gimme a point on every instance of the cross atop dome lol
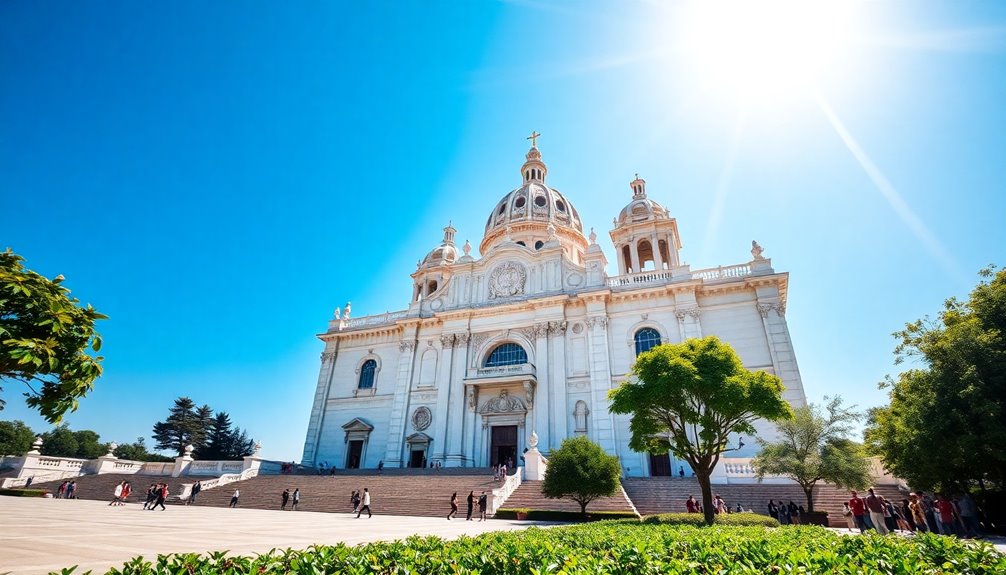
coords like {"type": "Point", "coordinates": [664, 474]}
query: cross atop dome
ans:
{"type": "Point", "coordinates": [534, 138]}
{"type": "Point", "coordinates": [534, 169]}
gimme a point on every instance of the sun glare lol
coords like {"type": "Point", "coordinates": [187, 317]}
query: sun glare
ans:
{"type": "Point", "coordinates": [766, 47]}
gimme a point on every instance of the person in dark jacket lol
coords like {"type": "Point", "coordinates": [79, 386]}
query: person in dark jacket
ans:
{"type": "Point", "coordinates": [471, 504]}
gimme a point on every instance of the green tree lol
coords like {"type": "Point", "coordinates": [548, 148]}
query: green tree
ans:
{"type": "Point", "coordinates": [60, 442]}
{"type": "Point", "coordinates": [185, 425]}
{"type": "Point", "coordinates": [137, 451]}
{"type": "Point", "coordinates": [89, 445]}
{"type": "Point", "coordinates": [945, 425]}
{"type": "Point", "coordinates": [225, 442]}
{"type": "Point", "coordinates": [582, 471]}
{"type": "Point", "coordinates": [814, 446]}
{"type": "Point", "coordinates": [15, 438]}
{"type": "Point", "coordinates": [45, 339]}
{"type": "Point", "coordinates": [690, 398]}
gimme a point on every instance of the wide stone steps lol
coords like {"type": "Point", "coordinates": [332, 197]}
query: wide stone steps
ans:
{"type": "Point", "coordinates": [422, 495]}
{"type": "Point", "coordinates": [102, 487]}
{"type": "Point", "coordinates": [652, 495]}
{"type": "Point", "coordinates": [529, 496]}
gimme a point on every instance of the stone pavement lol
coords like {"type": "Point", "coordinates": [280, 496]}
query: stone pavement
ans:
{"type": "Point", "coordinates": [42, 535]}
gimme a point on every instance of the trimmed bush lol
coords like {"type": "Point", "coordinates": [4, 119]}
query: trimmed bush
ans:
{"type": "Point", "coordinates": [19, 492]}
{"type": "Point", "coordinates": [739, 519]}
{"type": "Point", "coordinates": [623, 547]}
{"type": "Point", "coordinates": [571, 516]}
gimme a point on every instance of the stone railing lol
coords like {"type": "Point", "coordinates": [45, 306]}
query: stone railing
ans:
{"type": "Point", "coordinates": [656, 276]}
{"type": "Point", "coordinates": [723, 272]}
{"type": "Point", "coordinates": [497, 497]}
{"type": "Point", "coordinates": [214, 468]}
{"type": "Point", "coordinates": [369, 320]}
{"type": "Point", "coordinates": [157, 468]}
{"type": "Point", "coordinates": [225, 479]}
{"type": "Point", "coordinates": [36, 478]}
{"type": "Point", "coordinates": [502, 371]}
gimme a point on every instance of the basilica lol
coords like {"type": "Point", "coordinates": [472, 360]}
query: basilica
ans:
{"type": "Point", "coordinates": [531, 336]}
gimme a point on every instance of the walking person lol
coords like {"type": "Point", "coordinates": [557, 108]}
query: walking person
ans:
{"type": "Point", "coordinates": [794, 513]}
{"type": "Point", "coordinates": [875, 505]}
{"type": "Point", "coordinates": [365, 504]}
{"type": "Point", "coordinates": [62, 489]}
{"type": "Point", "coordinates": [162, 495]}
{"type": "Point", "coordinates": [471, 504]}
{"type": "Point", "coordinates": [847, 513]}
{"type": "Point", "coordinates": [858, 507]}
{"type": "Point", "coordinates": [945, 515]}
{"type": "Point", "coordinates": [234, 498]}
{"type": "Point", "coordinates": [355, 500]}
{"type": "Point", "coordinates": [151, 496]}
{"type": "Point", "coordinates": [296, 498]}
{"type": "Point", "coordinates": [918, 512]}
{"type": "Point", "coordinates": [195, 492]}
{"type": "Point", "coordinates": [126, 491]}
{"type": "Point", "coordinates": [116, 494]}
{"type": "Point", "coordinates": [483, 501]}
{"type": "Point", "coordinates": [773, 511]}
{"type": "Point", "coordinates": [71, 490]}
{"type": "Point", "coordinates": [454, 506]}
{"type": "Point", "coordinates": [285, 498]}
{"type": "Point", "coordinates": [690, 505]}
{"type": "Point", "coordinates": [968, 512]}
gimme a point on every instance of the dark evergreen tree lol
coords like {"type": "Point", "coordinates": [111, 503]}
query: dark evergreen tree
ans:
{"type": "Point", "coordinates": [185, 425]}
{"type": "Point", "coordinates": [219, 439]}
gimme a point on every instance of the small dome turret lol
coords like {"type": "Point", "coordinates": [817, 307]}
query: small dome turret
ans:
{"type": "Point", "coordinates": [443, 254]}
{"type": "Point", "coordinates": [641, 208]}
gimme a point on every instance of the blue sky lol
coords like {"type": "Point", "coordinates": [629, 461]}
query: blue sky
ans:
{"type": "Point", "coordinates": [218, 177]}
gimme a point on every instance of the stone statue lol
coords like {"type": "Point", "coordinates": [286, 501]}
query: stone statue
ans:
{"type": "Point", "coordinates": [551, 231]}
{"type": "Point", "coordinates": [467, 248]}
{"type": "Point", "coordinates": [532, 442]}
{"type": "Point", "coordinates": [756, 250]}
{"type": "Point", "coordinates": [593, 236]}
{"type": "Point", "coordinates": [338, 313]}
{"type": "Point", "coordinates": [349, 308]}
{"type": "Point", "coordinates": [509, 232]}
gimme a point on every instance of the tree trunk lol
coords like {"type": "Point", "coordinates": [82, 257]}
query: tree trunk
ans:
{"type": "Point", "coordinates": [809, 492]}
{"type": "Point", "coordinates": [583, 508]}
{"type": "Point", "coordinates": [707, 495]}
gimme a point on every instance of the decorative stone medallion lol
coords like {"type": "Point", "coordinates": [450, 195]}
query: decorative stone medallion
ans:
{"type": "Point", "coordinates": [421, 418]}
{"type": "Point", "coordinates": [507, 280]}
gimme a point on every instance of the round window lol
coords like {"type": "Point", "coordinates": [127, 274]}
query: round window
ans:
{"type": "Point", "coordinates": [540, 201]}
{"type": "Point", "coordinates": [520, 202]}
{"type": "Point", "coordinates": [538, 244]}
{"type": "Point", "coordinates": [560, 206]}
{"type": "Point", "coordinates": [521, 243]}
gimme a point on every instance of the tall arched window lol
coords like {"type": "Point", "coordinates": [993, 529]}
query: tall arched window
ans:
{"type": "Point", "coordinates": [507, 354]}
{"type": "Point", "coordinates": [367, 373]}
{"type": "Point", "coordinates": [646, 339]}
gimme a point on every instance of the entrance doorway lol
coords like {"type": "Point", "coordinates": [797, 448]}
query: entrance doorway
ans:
{"type": "Point", "coordinates": [660, 465]}
{"type": "Point", "coordinates": [503, 447]}
{"type": "Point", "coordinates": [354, 454]}
{"type": "Point", "coordinates": [417, 458]}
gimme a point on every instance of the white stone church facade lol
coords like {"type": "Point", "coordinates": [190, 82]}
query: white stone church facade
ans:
{"type": "Point", "coordinates": [531, 337]}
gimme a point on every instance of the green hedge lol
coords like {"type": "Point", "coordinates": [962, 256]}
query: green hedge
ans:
{"type": "Point", "coordinates": [24, 492]}
{"type": "Point", "coordinates": [739, 519]}
{"type": "Point", "coordinates": [622, 547]}
{"type": "Point", "coordinates": [544, 515]}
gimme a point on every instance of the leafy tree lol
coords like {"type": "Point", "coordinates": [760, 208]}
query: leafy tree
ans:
{"type": "Point", "coordinates": [15, 438]}
{"type": "Point", "coordinates": [89, 445]}
{"type": "Point", "coordinates": [185, 425]}
{"type": "Point", "coordinates": [225, 443]}
{"type": "Point", "coordinates": [815, 446]}
{"type": "Point", "coordinates": [45, 338]}
{"type": "Point", "coordinates": [689, 398]}
{"type": "Point", "coordinates": [137, 451]}
{"type": "Point", "coordinates": [945, 426]}
{"type": "Point", "coordinates": [60, 442]}
{"type": "Point", "coordinates": [582, 471]}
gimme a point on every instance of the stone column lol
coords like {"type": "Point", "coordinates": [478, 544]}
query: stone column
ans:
{"type": "Point", "coordinates": [456, 408]}
{"type": "Point", "coordinates": [602, 427]}
{"type": "Point", "coordinates": [444, 383]}
{"type": "Point", "coordinates": [634, 254]}
{"type": "Point", "coordinates": [400, 404]}
{"type": "Point", "coordinates": [322, 391]}
{"type": "Point", "coordinates": [621, 261]}
{"type": "Point", "coordinates": [784, 357]}
{"type": "Point", "coordinates": [540, 409]}
{"type": "Point", "coordinates": [658, 258]}
{"type": "Point", "coordinates": [557, 378]}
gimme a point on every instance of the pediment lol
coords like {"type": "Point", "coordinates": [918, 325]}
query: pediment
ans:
{"type": "Point", "coordinates": [419, 437]}
{"type": "Point", "coordinates": [358, 424]}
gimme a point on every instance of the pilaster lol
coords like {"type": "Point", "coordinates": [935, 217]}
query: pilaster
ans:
{"type": "Point", "coordinates": [445, 380]}
{"type": "Point", "coordinates": [603, 425]}
{"type": "Point", "coordinates": [557, 380]}
{"type": "Point", "coordinates": [400, 404]}
{"type": "Point", "coordinates": [322, 391]}
{"type": "Point", "coordinates": [539, 413]}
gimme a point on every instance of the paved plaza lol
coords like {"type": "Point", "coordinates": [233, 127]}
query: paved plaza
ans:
{"type": "Point", "coordinates": [43, 535]}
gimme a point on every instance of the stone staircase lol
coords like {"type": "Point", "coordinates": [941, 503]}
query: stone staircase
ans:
{"type": "Point", "coordinates": [101, 487]}
{"type": "Point", "coordinates": [422, 493]}
{"type": "Point", "coordinates": [652, 495]}
{"type": "Point", "coordinates": [529, 496]}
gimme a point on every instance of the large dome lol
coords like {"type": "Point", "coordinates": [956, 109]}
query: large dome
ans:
{"type": "Point", "coordinates": [526, 214]}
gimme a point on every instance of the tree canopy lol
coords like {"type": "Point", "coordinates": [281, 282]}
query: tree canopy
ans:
{"type": "Point", "coordinates": [223, 442]}
{"type": "Point", "coordinates": [45, 339]}
{"type": "Point", "coordinates": [582, 471]}
{"type": "Point", "coordinates": [690, 398]}
{"type": "Point", "coordinates": [211, 435]}
{"type": "Point", "coordinates": [945, 425]}
{"type": "Point", "coordinates": [814, 446]}
{"type": "Point", "coordinates": [15, 438]}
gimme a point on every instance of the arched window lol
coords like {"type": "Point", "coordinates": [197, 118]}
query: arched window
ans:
{"type": "Point", "coordinates": [507, 354]}
{"type": "Point", "coordinates": [538, 244]}
{"type": "Point", "coordinates": [367, 373]}
{"type": "Point", "coordinates": [646, 339]}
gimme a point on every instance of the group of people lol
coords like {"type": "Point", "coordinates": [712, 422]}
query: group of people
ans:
{"type": "Point", "coordinates": [719, 506]}
{"type": "Point", "coordinates": [919, 512]}
{"type": "Point", "coordinates": [500, 471]}
{"type": "Point", "coordinates": [361, 502]}
{"type": "Point", "coordinates": [120, 493]}
{"type": "Point", "coordinates": [157, 494]}
{"type": "Point", "coordinates": [286, 496]}
{"type": "Point", "coordinates": [786, 513]}
{"type": "Point", "coordinates": [67, 490]}
{"type": "Point", "coordinates": [482, 501]}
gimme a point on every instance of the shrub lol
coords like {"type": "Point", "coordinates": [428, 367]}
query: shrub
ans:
{"type": "Point", "coordinates": [18, 492]}
{"type": "Point", "coordinates": [546, 515]}
{"type": "Point", "coordinates": [696, 519]}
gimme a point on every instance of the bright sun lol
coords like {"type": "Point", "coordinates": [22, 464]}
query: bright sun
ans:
{"type": "Point", "coordinates": [757, 48]}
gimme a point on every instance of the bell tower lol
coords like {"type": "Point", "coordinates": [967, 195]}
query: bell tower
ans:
{"type": "Point", "coordinates": [645, 235]}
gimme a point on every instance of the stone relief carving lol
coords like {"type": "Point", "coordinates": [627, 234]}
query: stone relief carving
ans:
{"type": "Point", "coordinates": [541, 329]}
{"type": "Point", "coordinates": [421, 418]}
{"type": "Point", "coordinates": [479, 338]}
{"type": "Point", "coordinates": [327, 356]}
{"type": "Point", "coordinates": [507, 280]}
{"type": "Point", "coordinates": [577, 328]}
{"type": "Point", "coordinates": [556, 327]}
{"type": "Point", "coordinates": [407, 346]}
{"type": "Point", "coordinates": [447, 340]}
{"type": "Point", "coordinates": [529, 394]}
{"type": "Point", "coordinates": [461, 339]}
{"type": "Point", "coordinates": [529, 332]}
{"type": "Point", "coordinates": [778, 308]}
{"type": "Point", "coordinates": [473, 397]}
{"type": "Point", "coordinates": [503, 403]}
